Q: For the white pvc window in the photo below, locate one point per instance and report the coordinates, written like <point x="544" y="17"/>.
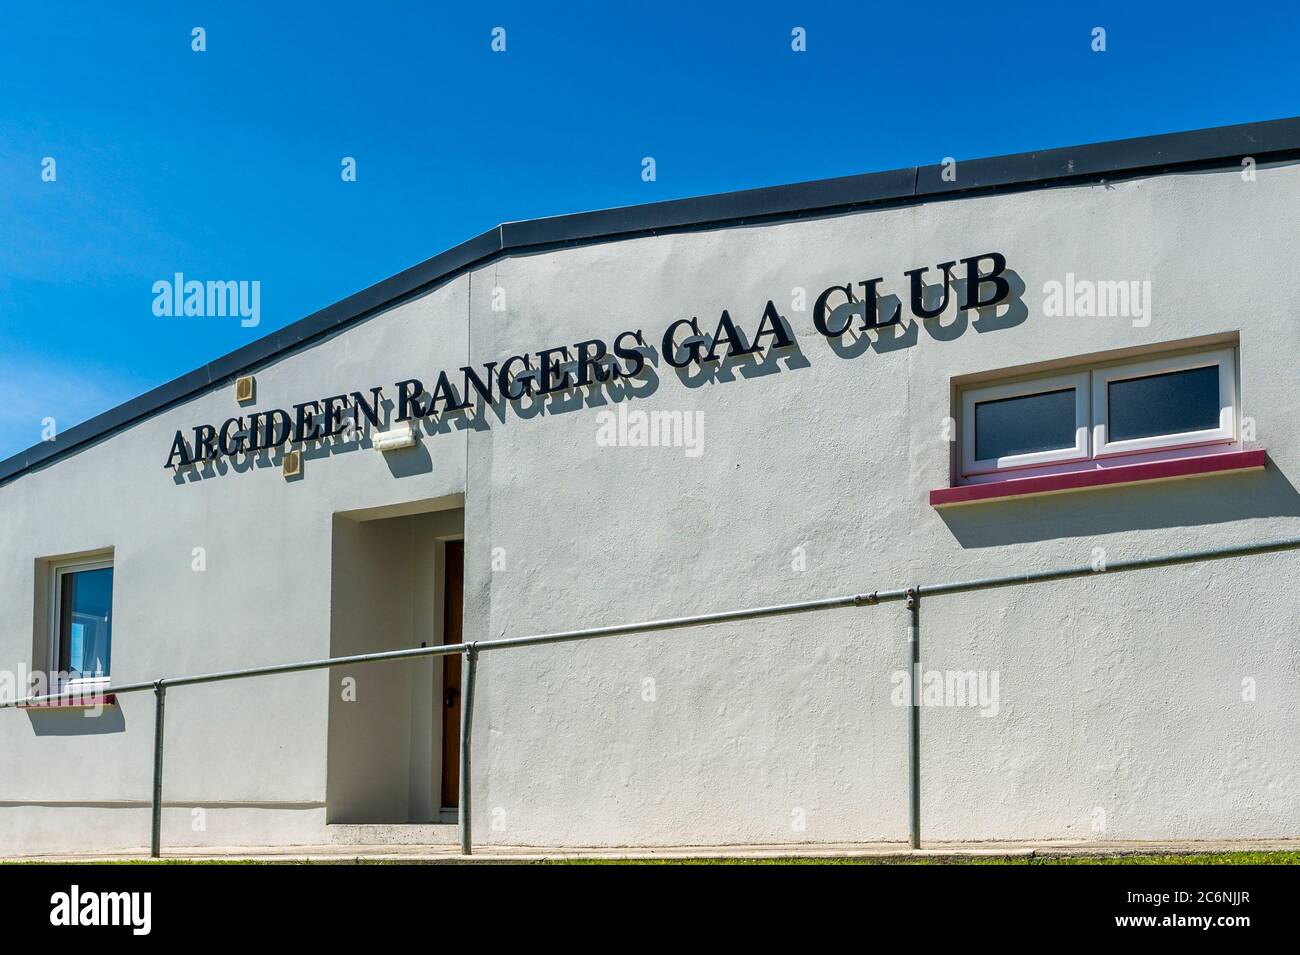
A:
<point x="1151" y="407"/>
<point x="1165" y="403"/>
<point x="1026" y="423"/>
<point x="81" y="623"/>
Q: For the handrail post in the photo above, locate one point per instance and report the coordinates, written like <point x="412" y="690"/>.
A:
<point x="466" y="727"/>
<point x="914" y="717"/>
<point x="160" y="705"/>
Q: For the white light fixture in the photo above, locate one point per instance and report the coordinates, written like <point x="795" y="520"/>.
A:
<point x="402" y="436"/>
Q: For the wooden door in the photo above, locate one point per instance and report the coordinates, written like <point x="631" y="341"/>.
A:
<point x="452" y="619"/>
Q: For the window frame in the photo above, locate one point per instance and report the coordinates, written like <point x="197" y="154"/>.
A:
<point x="58" y="571"/>
<point x="1225" y="359"/>
<point x="1092" y="378"/>
<point x="970" y="397"/>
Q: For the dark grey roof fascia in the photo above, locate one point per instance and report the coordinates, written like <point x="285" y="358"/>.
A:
<point x="1147" y="155"/>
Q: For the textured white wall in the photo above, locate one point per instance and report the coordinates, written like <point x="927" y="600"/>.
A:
<point x="246" y="751"/>
<point x="1117" y="693"/>
<point x="1120" y="696"/>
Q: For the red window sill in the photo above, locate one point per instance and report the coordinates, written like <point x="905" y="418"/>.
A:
<point x="1102" y="477"/>
<point x="72" y="703"/>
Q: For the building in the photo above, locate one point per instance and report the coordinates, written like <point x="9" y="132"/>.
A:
<point x="944" y="372"/>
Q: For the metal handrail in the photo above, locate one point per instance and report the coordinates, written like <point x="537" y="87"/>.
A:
<point x="471" y="650"/>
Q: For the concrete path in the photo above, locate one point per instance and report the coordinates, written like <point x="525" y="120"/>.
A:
<point x="882" y="850"/>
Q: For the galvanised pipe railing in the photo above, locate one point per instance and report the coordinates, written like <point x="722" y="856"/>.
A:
<point x="470" y="652"/>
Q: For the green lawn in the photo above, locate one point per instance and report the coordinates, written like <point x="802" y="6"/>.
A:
<point x="1214" y="858"/>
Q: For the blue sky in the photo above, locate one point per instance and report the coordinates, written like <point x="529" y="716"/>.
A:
<point x="225" y="164"/>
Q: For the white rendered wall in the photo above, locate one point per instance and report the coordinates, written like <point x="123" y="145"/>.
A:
<point x="1118" y="694"/>
<point x="251" y="753"/>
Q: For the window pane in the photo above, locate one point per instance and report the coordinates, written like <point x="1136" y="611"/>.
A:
<point x="1021" y="425"/>
<point x="1163" y="404"/>
<point x="85" y="622"/>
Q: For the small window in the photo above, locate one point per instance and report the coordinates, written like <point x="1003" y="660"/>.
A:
<point x="1006" y="427"/>
<point x="1026" y="423"/>
<point x="1082" y="419"/>
<point x="82" y="616"/>
<point x="1175" y="402"/>
<point x="1165" y="403"/>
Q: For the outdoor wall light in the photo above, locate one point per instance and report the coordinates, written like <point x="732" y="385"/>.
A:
<point x="292" y="463"/>
<point x="244" y="389"/>
<point x="403" y="436"/>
